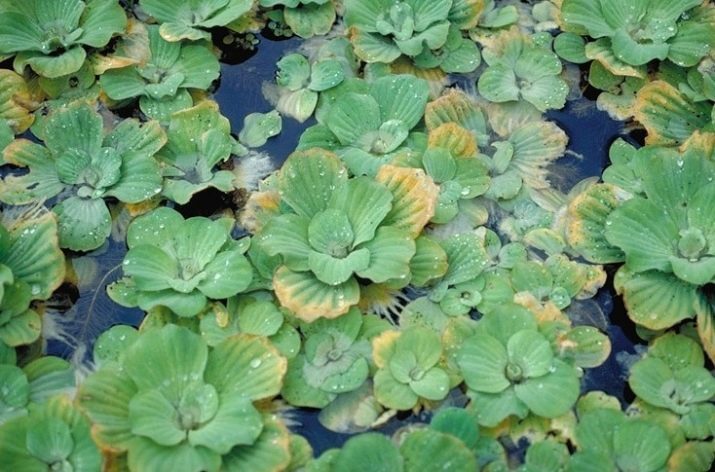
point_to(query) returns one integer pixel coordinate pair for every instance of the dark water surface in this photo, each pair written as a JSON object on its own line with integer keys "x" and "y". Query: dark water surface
{"x": 238, "y": 94}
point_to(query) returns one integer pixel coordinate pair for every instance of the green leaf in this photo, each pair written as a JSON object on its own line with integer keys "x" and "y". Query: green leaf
{"x": 482, "y": 361}
{"x": 369, "y": 451}
{"x": 76, "y": 128}
{"x": 392, "y": 393}
{"x": 326, "y": 74}
{"x": 498, "y": 84}
{"x": 155, "y": 228}
{"x": 587, "y": 346}
{"x": 104, "y": 396}
{"x": 655, "y": 299}
{"x": 653, "y": 381}
{"x": 433, "y": 386}
{"x": 458, "y": 422}
{"x": 310, "y": 19}
{"x": 259, "y": 127}
{"x": 140, "y": 179}
{"x": 246, "y": 366}
{"x": 183, "y": 304}
{"x": 553, "y": 394}
{"x": 466, "y": 258}
{"x": 226, "y": 275}
{"x": 299, "y": 105}
{"x": 152, "y": 415}
{"x": 493, "y": 408}
{"x": 51, "y": 67}
{"x": 170, "y": 359}
{"x": 330, "y": 232}
{"x": 34, "y": 256}
{"x": 259, "y": 317}
{"x": 691, "y": 43}
{"x": 371, "y": 47}
{"x": 150, "y": 268}
{"x": 176, "y": 32}
{"x": 546, "y": 93}
{"x": 100, "y": 21}
{"x": 308, "y": 180}
{"x": 587, "y": 215}
{"x": 270, "y": 451}
{"x": 84, "y": 224}
{"x": 429, "y": 261}
{"x": 287, "y": 235}
{"x": 334, "y": 270}
{"x": 585, "y": 16}
{"x": 639, "y": 445}
{"x": 145, "y": 454}
{"x": 637, "y": 53}
{"x": 236, "y": 422}
{"x": 52, "y": 442}
{"x": 293, "y": 72}
{"x": 650, "y": 247}
{"x": 353, "y": 117}
{"x": 15, "y": 391}
{"x": 310, "y": 299}
{"x": 400, "y": 97}
{"x": 427, "y": 449}
{"x": 390, "y": 252}
{"x": 112, "y": 342}
{"x": 531, "y": 352}
{"x": 366, "y": 203}
{"x": 20, "y": 329}
{"x": 571, "y": 47}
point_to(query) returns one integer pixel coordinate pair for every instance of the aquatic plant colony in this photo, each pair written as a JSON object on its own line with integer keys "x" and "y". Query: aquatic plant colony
{"x": 413, "y": 257}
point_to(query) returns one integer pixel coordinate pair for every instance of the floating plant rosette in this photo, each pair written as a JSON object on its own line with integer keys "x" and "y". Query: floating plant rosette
{"x": 350, "y": 235}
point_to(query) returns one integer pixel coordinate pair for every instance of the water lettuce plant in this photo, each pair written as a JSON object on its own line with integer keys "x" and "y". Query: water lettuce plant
{"x": 368, "y": 122}
{"x": 670, "y": 116}
{"x": 198, "y": 139}
{"x": 190, "y": 20}
{"x": 306, "y": 18}
{"x": 54, "y": 435}
{"x": 22, "y": 389}
{"x": 334, "y": 359}
{"x": 430, "y": 33}
{"x": 607, "y": 439}
{"x": 511, "y": 369}
{"x": 408, "y": 371}
{"x": 521, "y": 70}
{"x": 163, "y": 81}
{"x": 51, "y": 37}
{"x": 434, "y": 249}
{"x": 673, "y": 377}
{"x": 678, "y": 257}
{"x": 450, "y": 159}
{"x": 301, "y": 82}
{"x": 633, "y": 33}
{"x": 181, "y": 263}
{"x": 31, "y": 268}
{"x": 451, "y": 441}
{"x": 256, "y": 313}
{"x": 171, "y": 401}
{"x": 82, "y": 164}
{"x": 334, "y": 229}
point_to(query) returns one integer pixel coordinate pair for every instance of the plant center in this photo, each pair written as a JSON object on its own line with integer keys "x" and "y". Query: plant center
{"x": 417, "y": 373}
{"x": 692, "y": 243}
{"x": 399, "y": 22}
{"x": 513, "y": 372}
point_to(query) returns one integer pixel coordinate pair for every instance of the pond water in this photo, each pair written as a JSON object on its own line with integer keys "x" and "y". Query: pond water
{"x": 238, "y": 94}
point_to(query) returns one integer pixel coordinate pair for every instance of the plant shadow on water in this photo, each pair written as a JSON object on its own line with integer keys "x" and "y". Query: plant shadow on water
{"x": 239, "y": 92}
